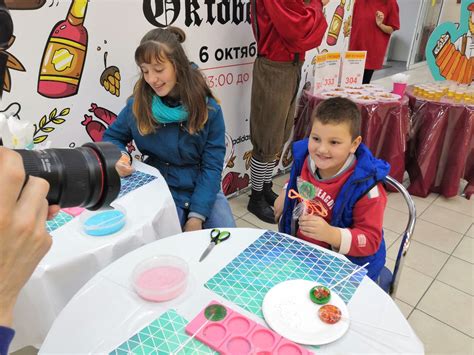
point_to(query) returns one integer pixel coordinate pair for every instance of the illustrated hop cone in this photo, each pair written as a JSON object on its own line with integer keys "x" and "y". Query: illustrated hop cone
{"x": 110, "y": 78}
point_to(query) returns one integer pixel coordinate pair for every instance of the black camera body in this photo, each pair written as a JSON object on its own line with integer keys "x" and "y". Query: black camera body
{"x": 85, "y": 176}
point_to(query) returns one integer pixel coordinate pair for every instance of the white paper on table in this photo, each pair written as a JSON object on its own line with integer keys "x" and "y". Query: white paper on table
{"x": 331, "y": 70}
{"x": 353, "y": 65}
{"x": 319, "y": 67}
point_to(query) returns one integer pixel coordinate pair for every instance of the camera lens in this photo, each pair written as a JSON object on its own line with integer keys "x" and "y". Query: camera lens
{"x": 84, "y": 176}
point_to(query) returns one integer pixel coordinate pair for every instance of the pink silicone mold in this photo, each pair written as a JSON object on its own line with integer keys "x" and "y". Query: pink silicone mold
{"x": 237, "y": 334}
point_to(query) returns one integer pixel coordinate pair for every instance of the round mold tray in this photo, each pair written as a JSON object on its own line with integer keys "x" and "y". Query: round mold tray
{"x": 238, "y": 325}
{"x": 288, "y": 349}
{"x": 263, "y": 339}
{"x": 238, "y": 345}
{"x": 214, "y": 332}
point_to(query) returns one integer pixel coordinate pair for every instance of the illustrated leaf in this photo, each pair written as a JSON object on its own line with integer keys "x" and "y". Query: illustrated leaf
{"x": 42, "y": 121}
{"x": 53, "y": 114}
{"x": 7, "y": 81}
{"x": 59, "y": 120}
{"x": 40, "y": 139}
{"x": 14, "y": 63}
{"x": 47, "y": 129}
{"x": 65, "y": 112}
{"x": 36, "y": 127}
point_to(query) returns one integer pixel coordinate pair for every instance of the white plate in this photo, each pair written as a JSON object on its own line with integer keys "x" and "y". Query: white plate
{"x": 289, "y": 311}
{"x": 332, "y": 93}
{"x": 387, "y": 96}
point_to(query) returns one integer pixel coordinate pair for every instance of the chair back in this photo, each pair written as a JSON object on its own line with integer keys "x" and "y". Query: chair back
{"x": 406, "y": 239}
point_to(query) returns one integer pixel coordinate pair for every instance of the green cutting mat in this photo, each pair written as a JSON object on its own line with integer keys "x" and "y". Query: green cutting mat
{"x": 163, "y": 336}
{"x": 274, "y": 258}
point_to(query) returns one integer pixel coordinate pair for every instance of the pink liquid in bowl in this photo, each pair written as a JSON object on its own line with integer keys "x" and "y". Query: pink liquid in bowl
{"x": 161, "y": 283}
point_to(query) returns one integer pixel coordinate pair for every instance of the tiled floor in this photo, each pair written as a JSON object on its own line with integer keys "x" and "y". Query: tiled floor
{"x": 436, "y": 290}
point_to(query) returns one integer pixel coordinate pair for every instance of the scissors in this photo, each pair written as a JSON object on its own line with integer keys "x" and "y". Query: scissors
{"x": 216, "y": 237}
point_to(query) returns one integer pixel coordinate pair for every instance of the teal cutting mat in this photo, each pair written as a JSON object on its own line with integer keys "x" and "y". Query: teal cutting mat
{"x": 274, "y": 258}
{"x": 163, "y": 336}
{"x": 61, "y": 219}
{"x": 134, "y": 181}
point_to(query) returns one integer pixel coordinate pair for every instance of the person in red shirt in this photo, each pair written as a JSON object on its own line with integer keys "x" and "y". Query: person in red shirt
{"x": 347, "y": 180}
{"x": 373, "y": 21}
{"x": 284, "y": 30}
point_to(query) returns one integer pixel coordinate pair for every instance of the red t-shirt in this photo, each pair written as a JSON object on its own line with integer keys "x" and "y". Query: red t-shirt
{"x": 363, "y": 238}
{"x": 366, "y": 35}
{"x": 287, "y": 27}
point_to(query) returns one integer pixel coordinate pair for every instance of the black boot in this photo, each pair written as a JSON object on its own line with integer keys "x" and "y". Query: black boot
{"x": 260, "y": 208}
{"x": 268, "y": 193}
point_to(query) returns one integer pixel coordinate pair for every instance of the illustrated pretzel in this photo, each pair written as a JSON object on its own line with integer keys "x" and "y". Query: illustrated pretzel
{"x": 313, "y": 207}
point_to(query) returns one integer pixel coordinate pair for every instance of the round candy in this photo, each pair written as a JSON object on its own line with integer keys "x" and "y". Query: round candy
{"x": 307, "y": 190}
{"x": 320, "y": 294}
{"x": 215, "y": 312}
{"x": 329, "y": 314}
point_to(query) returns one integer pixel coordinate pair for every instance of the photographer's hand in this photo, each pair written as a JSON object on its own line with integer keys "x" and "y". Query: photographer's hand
{"x": 23, "y": 236}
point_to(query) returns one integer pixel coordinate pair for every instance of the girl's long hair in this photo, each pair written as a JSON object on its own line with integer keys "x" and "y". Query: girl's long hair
{"x": 162, "y": 45}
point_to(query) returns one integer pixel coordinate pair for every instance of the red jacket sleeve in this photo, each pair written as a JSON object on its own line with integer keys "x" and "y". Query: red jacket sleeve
{"x": 392, "y": 19}
{"x": 302, "y": 27}
{"x": 365, "y": 235}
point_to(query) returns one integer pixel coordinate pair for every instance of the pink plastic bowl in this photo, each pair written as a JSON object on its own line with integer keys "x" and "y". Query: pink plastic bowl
{"x": 160, "y": 278}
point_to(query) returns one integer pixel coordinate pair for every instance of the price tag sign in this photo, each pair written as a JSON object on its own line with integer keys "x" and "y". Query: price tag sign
{"x": 332, "y": 70}
{"x": 319, "y": 62}
{"x": 353, "y": 64}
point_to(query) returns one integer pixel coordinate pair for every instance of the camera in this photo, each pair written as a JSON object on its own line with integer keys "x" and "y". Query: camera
{"x": 83, "y": 176}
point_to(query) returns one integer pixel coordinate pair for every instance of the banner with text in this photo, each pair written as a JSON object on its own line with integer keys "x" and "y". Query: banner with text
{"x": 70, "y": 77}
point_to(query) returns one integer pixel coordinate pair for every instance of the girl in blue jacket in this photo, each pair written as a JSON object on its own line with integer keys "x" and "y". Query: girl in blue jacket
{"x": 175, "y": 120}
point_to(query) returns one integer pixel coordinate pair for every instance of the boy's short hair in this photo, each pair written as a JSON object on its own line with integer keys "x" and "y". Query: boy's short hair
{"x": 337, "y": 110}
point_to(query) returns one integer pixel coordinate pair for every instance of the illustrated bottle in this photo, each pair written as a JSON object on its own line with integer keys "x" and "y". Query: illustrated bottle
{"x": 336, "y": 24}
{"x": 65, "y": 54}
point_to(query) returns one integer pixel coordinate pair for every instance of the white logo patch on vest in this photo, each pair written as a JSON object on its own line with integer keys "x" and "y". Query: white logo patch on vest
{"x": 361, "y": 240}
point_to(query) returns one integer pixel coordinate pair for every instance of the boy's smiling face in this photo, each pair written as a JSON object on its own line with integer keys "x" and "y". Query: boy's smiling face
{"x": 330, "y": 145}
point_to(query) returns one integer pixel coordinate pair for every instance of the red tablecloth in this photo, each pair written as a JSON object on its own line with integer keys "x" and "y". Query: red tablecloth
{"x": 441, "y": 147}
{"x": 384, "y": 128}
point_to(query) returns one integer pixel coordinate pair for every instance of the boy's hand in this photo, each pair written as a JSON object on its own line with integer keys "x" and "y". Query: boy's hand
{"x": 278, "y": 205}
{"x": 317, "y": 228}
{"x": 379, "y": 17}
{"x": 314, "y": 226}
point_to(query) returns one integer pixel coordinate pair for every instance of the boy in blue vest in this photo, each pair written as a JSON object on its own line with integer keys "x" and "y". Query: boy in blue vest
{"x": 348, "y": 181}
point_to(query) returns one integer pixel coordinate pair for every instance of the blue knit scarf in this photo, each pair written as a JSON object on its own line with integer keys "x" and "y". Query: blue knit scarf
{"x": 165, "y": 114}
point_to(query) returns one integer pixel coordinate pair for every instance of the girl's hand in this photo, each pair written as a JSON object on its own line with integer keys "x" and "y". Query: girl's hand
{"x": 314, "y": 227}
{"x": 325, "y": 2}
{"x": 278, "y": 205}
{"x": 193, "y": 224}
{"x": 123, "y": 166}
{"x": 379, "y": 17}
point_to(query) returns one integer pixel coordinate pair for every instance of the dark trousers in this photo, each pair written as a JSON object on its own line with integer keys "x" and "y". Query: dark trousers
{"x": 367, "y": 76}
{"x": 272, "y": 107}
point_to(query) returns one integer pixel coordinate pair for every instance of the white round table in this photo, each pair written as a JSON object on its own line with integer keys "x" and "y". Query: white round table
{"x": 106, "y": 311}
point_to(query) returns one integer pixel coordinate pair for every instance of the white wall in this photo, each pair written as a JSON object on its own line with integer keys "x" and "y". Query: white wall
{"x": 450, "y": 11}
{"x": 401, "y": 40}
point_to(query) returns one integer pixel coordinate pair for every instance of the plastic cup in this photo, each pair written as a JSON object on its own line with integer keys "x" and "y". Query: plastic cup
{"x": 399, "y": 88}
